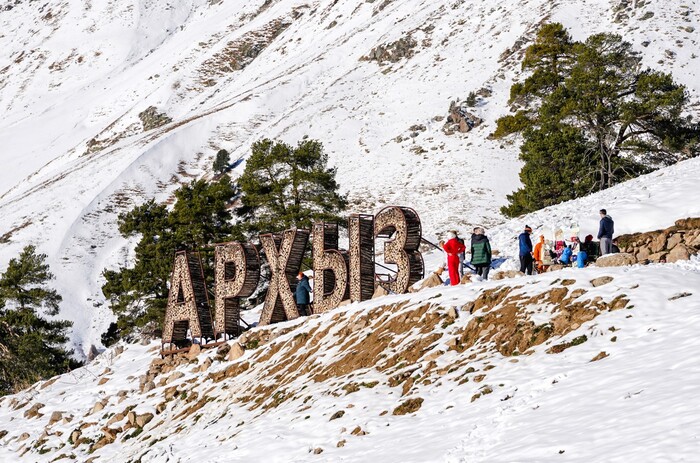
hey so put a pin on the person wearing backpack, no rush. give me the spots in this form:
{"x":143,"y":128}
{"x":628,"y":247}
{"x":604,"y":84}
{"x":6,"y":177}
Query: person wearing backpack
{"x":481,"y":253}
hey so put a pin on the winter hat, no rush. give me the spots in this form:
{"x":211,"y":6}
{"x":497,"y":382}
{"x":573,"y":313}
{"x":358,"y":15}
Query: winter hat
{"x":451,"y":234}
{"x":527,"y":228}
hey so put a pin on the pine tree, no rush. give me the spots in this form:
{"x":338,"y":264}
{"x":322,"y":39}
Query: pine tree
{"x":285,"y":186}
{"x":221,"y":162}
{"x":200,"y":217}
{"x":629,"y":120}
{"x":31,"y":347}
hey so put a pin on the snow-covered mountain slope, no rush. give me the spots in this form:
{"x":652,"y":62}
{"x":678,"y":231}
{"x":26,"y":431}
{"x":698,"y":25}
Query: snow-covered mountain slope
{"x":74,"y":77}
{"x":576,"y":365}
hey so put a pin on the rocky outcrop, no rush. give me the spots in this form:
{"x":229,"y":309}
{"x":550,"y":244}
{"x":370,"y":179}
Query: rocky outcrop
{"x":394,"y":51}
{"x":460,"y":119}
{"x":152,"y":119}
{"x":675,"y":243}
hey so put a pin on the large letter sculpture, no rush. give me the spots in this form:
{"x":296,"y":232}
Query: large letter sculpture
{"x":330,"y":268}
{"x":188,"y":303}
{"x":404,"y":224}
{"x":284,"y":257}
{"x":237,"y":274}
{"x":361,"y":232}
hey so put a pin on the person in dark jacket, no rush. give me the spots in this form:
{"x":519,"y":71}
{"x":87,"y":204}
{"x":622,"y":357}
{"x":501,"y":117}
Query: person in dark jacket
{"x":302,"y":294}
{"x":590,"y":248}
{"x":481,"y":253}
{"x":615,"y":248}
{"x":525,"y":244}
{"x":605,"y":232}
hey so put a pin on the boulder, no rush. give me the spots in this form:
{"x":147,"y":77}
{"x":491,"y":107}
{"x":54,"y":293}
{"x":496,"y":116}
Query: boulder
{"x":616,"y":260}
{"x":97,"y":407}
{"x":236,"y":352}
{"x":674,"y":240}
{"x":379,"y":291}
{"x":600,"y":281}
{"x":143,"y":420}
{"x":194,"y":351}
{"x":452,"y":313}
{"x":92,"y":353}
{"x":695,"y":241}
{"x":658,"y":257}
{"x":33,"y":412}
{"x":205,"y":365}
{"x":110,"y":434}
{"x":659,"y":243}
{"x":507,"y":274}
{"x":115,"y":419}
{"x":680,"y":252}
{"x":55,"y":417}
{"x":688,"y":224}
{"x":466,"y":278}
{"x":643,"y":253}
{"x":174,"y":377}
{"x":432,"y":281}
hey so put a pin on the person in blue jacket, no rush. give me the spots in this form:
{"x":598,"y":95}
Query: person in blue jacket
{"x":581,"y":259}
{"x":302,"y":294}
{"x":565,"y":258}
{"x":605,"y":232}
{"x":525,"y":244}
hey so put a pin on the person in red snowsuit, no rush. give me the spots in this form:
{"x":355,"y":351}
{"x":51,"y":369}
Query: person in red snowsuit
{"x":453,"y":248}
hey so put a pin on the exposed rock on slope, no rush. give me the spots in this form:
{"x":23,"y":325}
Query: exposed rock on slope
{"x":675,"y":243}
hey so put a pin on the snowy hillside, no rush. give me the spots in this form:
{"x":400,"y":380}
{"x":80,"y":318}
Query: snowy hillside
{"x":575,"y":366}
{"x":75,"y":75}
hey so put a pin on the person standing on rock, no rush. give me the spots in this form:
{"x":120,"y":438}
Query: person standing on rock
{"x":525,"y":244}
{"x":605,"y":232}
{"x":481,"y":253}
{"x":453,"y":248}
{"x":302,"y":294}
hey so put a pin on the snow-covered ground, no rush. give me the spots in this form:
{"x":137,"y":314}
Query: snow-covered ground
{"x":74,"y":71}
{"x":627,"y":393}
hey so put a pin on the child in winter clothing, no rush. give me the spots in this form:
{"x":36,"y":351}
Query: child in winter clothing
{"x":539,"y":255}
